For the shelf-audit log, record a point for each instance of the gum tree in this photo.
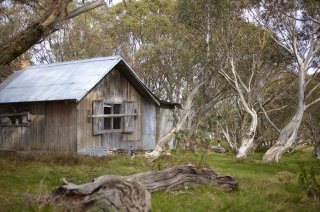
(295, 26)
(45, 18)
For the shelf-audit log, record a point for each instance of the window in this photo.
(112, 122)
(113, 117)
(117, 120)
(15, 119)
(107, 121)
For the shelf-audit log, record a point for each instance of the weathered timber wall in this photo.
(115, 88)
(166, 121)
(51, 128)
(149, 125)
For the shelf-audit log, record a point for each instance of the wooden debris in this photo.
(132, 193)
(113, 193)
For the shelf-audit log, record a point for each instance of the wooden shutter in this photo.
(129, 118)
(97, 123)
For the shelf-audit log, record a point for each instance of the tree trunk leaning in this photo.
(285, 141)
(159, 148)
(248, 143)
(132, 193)
(288, 135)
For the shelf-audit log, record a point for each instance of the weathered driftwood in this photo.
(113, 193)
(131, 193)
(177, 177)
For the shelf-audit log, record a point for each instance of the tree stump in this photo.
(132, 193)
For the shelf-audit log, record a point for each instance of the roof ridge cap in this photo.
(73, 62)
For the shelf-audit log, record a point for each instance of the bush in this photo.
(308, 183)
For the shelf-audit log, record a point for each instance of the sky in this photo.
(116, 1)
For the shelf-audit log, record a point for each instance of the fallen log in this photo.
(112, 194)
(181, 176)
(131, 193)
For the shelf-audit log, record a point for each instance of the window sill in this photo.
(114, 131)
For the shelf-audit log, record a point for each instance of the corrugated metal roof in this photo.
(67, 81)
(58, 81)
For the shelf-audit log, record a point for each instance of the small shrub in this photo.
(308, 183)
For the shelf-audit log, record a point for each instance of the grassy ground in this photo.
(262, 187)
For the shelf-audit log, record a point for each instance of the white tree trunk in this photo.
(247, 141)
(286, 140)
(304, 54)
(288, 135)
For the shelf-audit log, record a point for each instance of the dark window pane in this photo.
(116, 108)
(107, 123)
(107, 110)
(117, 123)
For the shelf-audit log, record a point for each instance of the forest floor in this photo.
(262, 187)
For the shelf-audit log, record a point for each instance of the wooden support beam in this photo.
(14, 114)
(111, 115)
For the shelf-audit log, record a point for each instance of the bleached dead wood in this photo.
(112, 193)
(131, 193)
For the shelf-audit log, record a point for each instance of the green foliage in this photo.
(308, 183)
(198, 141)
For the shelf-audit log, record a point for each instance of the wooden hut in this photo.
(87, 106)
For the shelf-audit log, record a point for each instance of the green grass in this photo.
(261, 187)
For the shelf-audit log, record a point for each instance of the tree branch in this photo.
(242, 99)
(312, 103)
(294, 45)
(312, 90)
(84, 9)
(268, 118)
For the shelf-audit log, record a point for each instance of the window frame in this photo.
(98, 116)
(112, 116)
(16, 119)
